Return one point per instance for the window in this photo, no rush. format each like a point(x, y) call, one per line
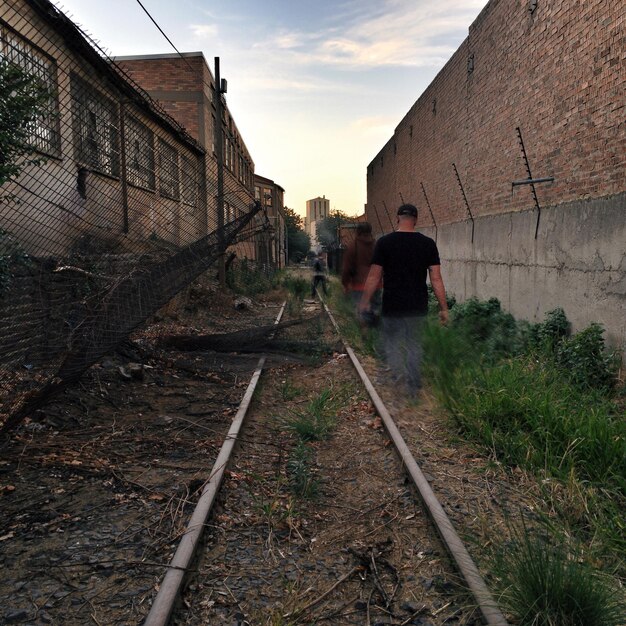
point(229, 212)
point(95, 128)
point(168, 171)
point(257, 192)
point(139, 154)
point(189, 180)
point(44, 133)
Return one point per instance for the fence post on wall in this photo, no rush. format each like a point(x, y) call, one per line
point(431, 211)
point(220, 172)
point(530, 180)
point(469, 212)
point(388, 216)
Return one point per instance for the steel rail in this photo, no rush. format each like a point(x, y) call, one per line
point(490, 612)
point(169, 589)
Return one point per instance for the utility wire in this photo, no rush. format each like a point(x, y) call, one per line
point(163, 33)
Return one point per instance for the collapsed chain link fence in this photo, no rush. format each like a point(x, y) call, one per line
point(110, 210)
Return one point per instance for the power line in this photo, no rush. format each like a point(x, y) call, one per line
point(163, 33)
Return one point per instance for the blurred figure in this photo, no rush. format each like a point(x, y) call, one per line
point(403, 259)
point(319, 275)
point(356, 266)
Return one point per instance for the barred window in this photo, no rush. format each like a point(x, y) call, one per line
point(168, 171)
point(44, 133)
point(95, 124)
point(139, 154)
point(189, 180)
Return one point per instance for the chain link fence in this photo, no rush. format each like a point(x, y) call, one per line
point(108, 207)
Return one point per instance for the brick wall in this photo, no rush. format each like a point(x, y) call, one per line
point(558, 74)
point(160, 75)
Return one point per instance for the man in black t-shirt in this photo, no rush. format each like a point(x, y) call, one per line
point(402, 259)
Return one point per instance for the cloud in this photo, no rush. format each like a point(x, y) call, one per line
point(397, 33)
point(203, 31)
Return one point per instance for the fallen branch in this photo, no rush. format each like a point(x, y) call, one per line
point(317, 600)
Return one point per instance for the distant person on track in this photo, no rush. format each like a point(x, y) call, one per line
point(356, 266)
point(319, 275)
point(402, 259)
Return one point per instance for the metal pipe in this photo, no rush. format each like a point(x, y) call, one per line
point(458, 178)
point(389, 216)
point(533, 181)
point(169, 589)
point(219, 146)
point(431, 211)
point(488, 607)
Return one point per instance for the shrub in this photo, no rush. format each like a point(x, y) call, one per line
point(586, 361)
point(488, 327)
point(553, 329)
point(248, 279)
point(550, 585)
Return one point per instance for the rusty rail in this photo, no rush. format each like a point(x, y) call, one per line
point(169, 589)
point(489, 609)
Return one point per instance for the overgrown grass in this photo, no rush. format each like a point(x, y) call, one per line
point(246, 278)
point(297, 286)
point(364, 340)
point(313, 423)
point(541, 400)
point(550, 584)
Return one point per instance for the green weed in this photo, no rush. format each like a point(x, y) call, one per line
point(302, 481)
point(248, 279)
point(548, 584)
point(289, 391)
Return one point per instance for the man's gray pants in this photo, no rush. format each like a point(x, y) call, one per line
point(402, 343)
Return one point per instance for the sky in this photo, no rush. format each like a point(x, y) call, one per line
point(316, 88)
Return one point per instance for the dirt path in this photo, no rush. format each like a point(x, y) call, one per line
point(360, 552)
point(96, 489)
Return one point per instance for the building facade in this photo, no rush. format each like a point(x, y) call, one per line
point(316, 210)
point(185, 87)
point(114, 165)
point(536, 91)
point(272, 241)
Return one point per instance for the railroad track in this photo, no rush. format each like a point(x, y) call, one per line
point(364, 552)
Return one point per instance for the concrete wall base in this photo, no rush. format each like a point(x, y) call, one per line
point(577, 262)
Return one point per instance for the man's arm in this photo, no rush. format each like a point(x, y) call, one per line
point(436, 281)
point(371, 284)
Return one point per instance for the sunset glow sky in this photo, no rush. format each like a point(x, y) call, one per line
point(316, 89)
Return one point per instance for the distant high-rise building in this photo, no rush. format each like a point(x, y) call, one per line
point(316, 210)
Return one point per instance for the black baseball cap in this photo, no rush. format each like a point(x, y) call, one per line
point(408, 209)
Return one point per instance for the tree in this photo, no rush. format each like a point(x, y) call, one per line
point(328, 229)
point(23, 99)
point(298, 242)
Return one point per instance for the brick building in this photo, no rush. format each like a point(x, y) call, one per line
point(185, 87)
point(115, 165)
point(316, 210)
point(271, 244)
point(555, 71)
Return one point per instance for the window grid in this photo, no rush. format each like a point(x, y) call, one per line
point(189, 180)
point(169, 184)
point(139, 154)
point(95, 128)
point(44, 133)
